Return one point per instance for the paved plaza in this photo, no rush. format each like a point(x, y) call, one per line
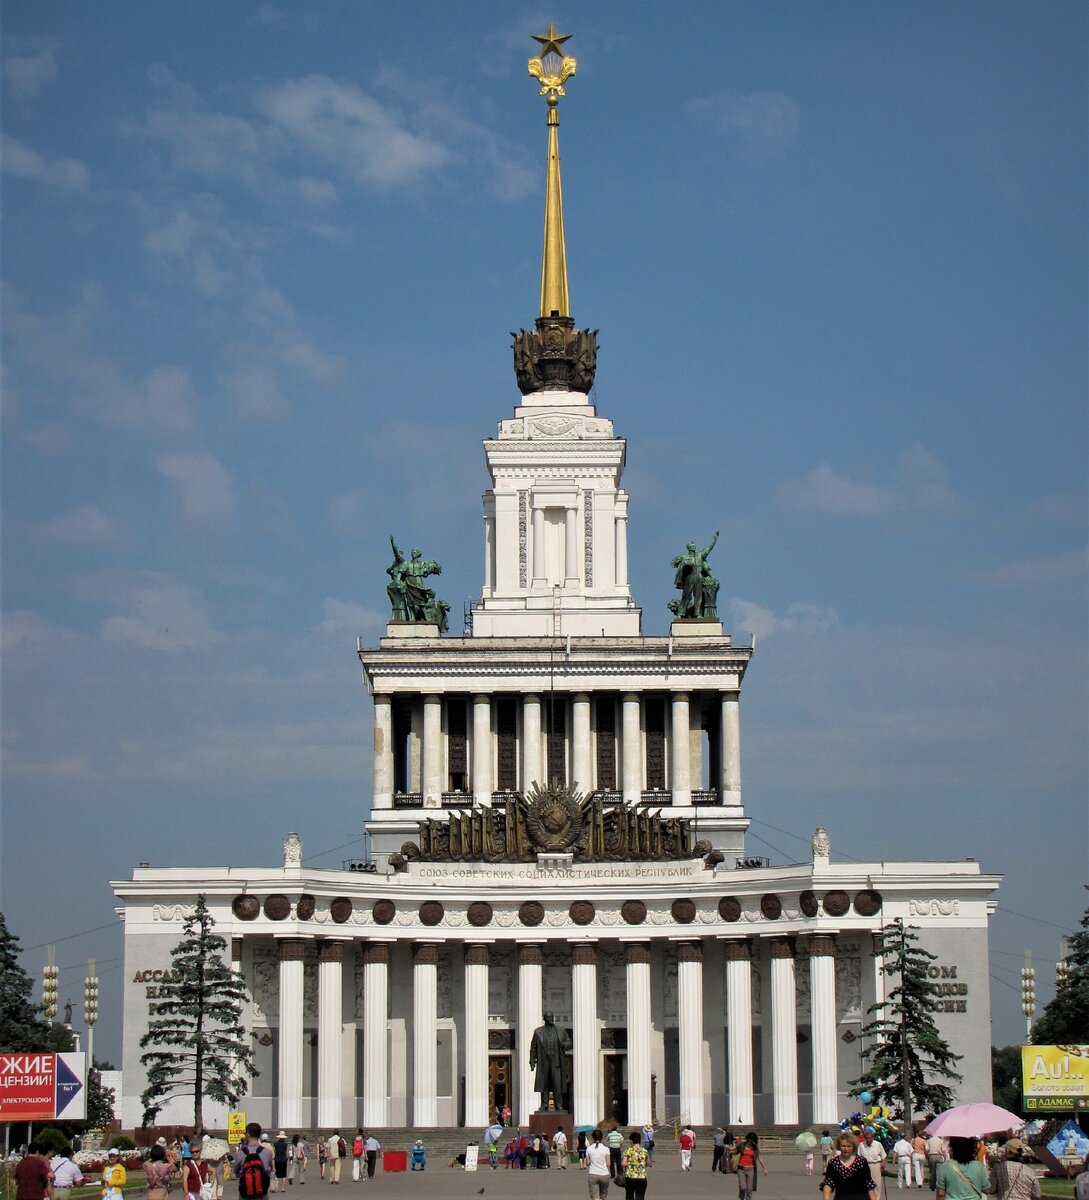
point(786, 1181)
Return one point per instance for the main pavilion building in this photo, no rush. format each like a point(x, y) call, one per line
point(558, 825)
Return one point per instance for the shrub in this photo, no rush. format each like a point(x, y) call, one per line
point(120, 1142)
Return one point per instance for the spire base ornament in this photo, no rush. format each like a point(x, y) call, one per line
point(555, 356)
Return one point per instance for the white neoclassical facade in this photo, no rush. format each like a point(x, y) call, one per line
point(558, 825)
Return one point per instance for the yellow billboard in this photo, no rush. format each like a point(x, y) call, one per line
point(1054, 1078)
point(236, 1127)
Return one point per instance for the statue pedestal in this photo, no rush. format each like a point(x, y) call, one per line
point(545, 1125)
point(412, 629)
point(690, 627)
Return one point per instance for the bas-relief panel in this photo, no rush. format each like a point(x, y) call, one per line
point(557, 984)
point(612, 986)
point(266, 984)
point(444, 982)
point(848, 981)
point(669, 991)
point(501, 989)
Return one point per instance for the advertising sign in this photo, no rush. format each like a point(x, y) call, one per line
point(236, 1127)
point(1054, 1078)
point(43, 1087)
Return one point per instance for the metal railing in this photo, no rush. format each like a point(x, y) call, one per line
point(408, 799)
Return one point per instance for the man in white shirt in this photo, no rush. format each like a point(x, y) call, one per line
point(902, 1150)
point(874, 1153)
point(66, 1175)
point(559, 1144)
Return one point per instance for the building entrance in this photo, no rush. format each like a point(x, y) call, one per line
point(499, 1080)
point(615, 1087)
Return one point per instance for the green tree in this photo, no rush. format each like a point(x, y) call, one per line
point(195, 1043)
point(1006, 1077)
point(907, 1054)
point(22, 1026)
point(100, 1099)
point(1065, 1019)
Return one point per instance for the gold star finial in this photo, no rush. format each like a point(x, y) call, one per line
point(551, 42)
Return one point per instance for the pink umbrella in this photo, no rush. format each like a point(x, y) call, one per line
point(973, 1120)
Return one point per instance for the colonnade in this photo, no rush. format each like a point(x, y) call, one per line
point(691, 1019)
point(683, 770)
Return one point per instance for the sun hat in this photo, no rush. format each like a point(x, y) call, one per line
point(161, 1142)
point(281, 1134)
point(113, 1150)
point(1014, 1146)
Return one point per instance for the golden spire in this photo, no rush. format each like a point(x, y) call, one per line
point(552, 69)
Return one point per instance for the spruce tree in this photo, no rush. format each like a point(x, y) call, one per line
point(907, 1054)
point(195, 1043)
point(1065, 1020)
point(22, 1026)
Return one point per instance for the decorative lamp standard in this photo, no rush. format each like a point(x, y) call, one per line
point(49, 983)
point(90, 1009)
point(1062, 967)
point(1028, 994)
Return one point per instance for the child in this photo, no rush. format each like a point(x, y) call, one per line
point(809, 1161)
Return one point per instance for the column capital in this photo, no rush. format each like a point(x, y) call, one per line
point(292, 949)
point(584, 954)
point(382, 698)
point(477, 954)
point(531, 698)
point(330, 951)
point(631, 698)
point(425, 954)
point(481, 698)
point(781, 947)
point(530, 955)
point(637, 952)
point(730, 695)
point(738, 950)
point(581, 697)
point(822, 945)
point(376, 952)
point(679, 697)
point(432, 698)
point(690, 951)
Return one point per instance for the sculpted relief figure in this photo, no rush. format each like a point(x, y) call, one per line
point(409, 596)
point(693, 578)
point(548, 1057)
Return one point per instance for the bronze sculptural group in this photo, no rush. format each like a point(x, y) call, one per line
point(410, 597)
point(698, 587)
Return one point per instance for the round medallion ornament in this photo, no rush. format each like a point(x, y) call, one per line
point(531, 913)
point(480, 913)
point(304, 909)
point(431, 912)
point(836, 903)
point(729, 909)
point(771, 907)
point(634, 912)
point(340, 910)
point(246, 908)
point(581, 912)
point(553, 820)
point(807, 902)
point(277, 907)
point(383, 912)
point(683, 911)
point(868, 903)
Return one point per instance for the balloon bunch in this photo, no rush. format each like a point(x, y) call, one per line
point(875, 1119)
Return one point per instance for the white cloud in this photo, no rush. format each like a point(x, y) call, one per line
point(29, 64)
point(345, 621)
point(317, 193)
point(763, 123)
point(21, 628)
point(82, 526)
point(255, 393)
point(155, 611)
point(1033, 572)
point(349, 510)
point(761, 622)
point(921, 486)
point(22, 162)
point(203, 489)
point(312, 363)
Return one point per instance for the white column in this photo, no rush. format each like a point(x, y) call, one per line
point(571, 546)
point(530, 1016)
point(730, 755)
point(330, 1034)
point(631, 743)
point(532, 765)
point(639, 1027)
point(585, 1103)
point(383, 752)
point(690, 1027)
point(290, 1084)
point(784, 1032)
point(822, 1002)
point(739, 1031)
point(425, 1013)
point(432, 752)
point(580, 728)
point(622, 553)
point(482, 750)
point(476, 1035)
point(375, 1035)
point(681, 782)
point(538, 547)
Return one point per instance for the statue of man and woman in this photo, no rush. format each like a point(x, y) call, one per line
point(410, 597)
point(698, 587)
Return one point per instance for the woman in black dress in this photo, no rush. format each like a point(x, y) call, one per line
point(846, 1173)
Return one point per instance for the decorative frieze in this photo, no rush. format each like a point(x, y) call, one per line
point(523, 538)
point(340, 909)
point(588, 536)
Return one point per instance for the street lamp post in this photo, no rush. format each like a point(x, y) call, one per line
point(90, 1010)
point(49, 983)
point(1028, 994)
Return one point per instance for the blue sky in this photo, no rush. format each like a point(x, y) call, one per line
point(259, 266)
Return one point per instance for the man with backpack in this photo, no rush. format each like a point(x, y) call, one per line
point(357, 1154)
point(335, 1150)
point(253, 1165)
